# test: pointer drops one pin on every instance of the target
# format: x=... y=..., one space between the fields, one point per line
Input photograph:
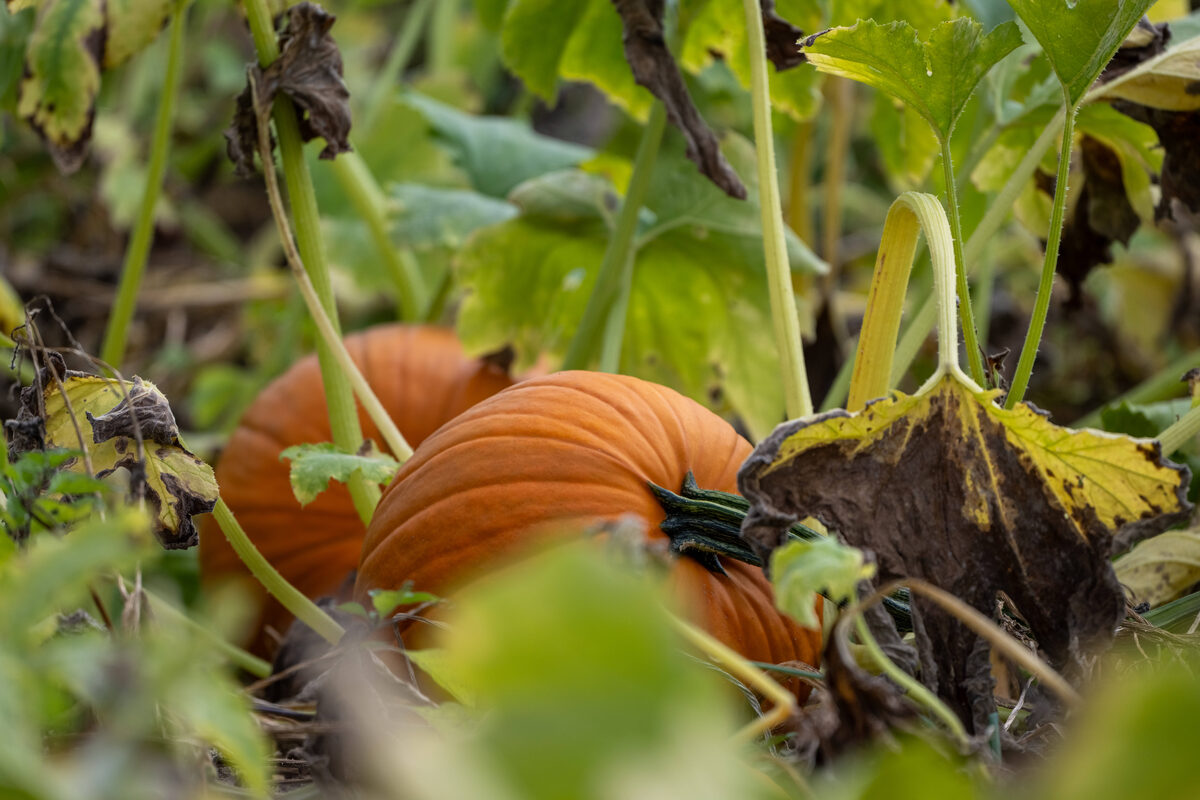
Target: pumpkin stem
x=706 y=524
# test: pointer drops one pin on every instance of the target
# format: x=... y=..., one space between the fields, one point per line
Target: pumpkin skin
x=529 y=465
x=422 y=379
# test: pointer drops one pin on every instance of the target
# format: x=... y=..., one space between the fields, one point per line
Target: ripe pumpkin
x=527 y=465
x=423 y=380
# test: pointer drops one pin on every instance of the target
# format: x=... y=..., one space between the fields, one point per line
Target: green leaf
x=385 y=601
x=906 y=143
x=425 y=217
x=594 y=53
x=571 y=195
x=491 y=12
x=1136 y=147
x=314 y=464
x=536 y=33
x=62 y=77
x=1079 y=38
x=496 y=153
x=15 y=27
x=131 y=25
x=802 y=569
x=935 y=78
x=924 y=15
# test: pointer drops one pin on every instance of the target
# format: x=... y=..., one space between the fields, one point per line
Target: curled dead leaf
x=309 y=71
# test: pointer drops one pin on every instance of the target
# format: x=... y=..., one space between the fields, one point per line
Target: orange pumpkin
x=529 y=465
x=423 y=380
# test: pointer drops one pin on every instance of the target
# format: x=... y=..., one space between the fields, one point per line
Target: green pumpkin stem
x=706 y=524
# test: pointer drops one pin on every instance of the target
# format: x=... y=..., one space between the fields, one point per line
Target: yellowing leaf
x=950 y=487
x=174 y=482
x=1160 y=569
x=1169 y=81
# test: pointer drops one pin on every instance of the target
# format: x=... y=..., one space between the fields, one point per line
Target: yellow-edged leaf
x=1161 y=569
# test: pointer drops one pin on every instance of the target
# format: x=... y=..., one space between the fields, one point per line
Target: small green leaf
x=62 y=77
x=1079 y=38
x=495 y=152
x=353 y=608
x=385 y=601
x=802 y=569
x=935 y=78
x=314 y=464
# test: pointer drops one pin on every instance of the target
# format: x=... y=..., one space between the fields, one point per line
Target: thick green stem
x=289 y=596
x=368 y=200
x=610 y=297
x=441 y=35
x=963 y=291
x=706 y=524
x=1181 y=432
x=343 y=417
x=402 y=52
x=1041 y=306
x=116 y=334
x=779 y=278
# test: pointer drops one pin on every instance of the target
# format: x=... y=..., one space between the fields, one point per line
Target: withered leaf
x=783 y=38
x=952 y=488
x=96 y=415
x=309 y=71
x=1103 y=215
x=654 y=67
x=1179 y=133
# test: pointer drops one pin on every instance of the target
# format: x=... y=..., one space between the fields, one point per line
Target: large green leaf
x=935 y=77
x=1079 y=38
x=62 y=77
x=698 y=318
x=496 y=153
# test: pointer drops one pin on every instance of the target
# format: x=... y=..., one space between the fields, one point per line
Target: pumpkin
x=531 y=464
x=421 y=377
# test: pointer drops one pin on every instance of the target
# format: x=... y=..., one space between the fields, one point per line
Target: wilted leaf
x=950 y=487
x=1179 y=133
x=1170 y=80
x=801 y=569
x=497 y=153
x=313 y=465
x=1079 y=38
x=309 y=70
x=62 y=77
x=936 y=78
x=1162 y=568
x=1149 y=420
x=172 y=480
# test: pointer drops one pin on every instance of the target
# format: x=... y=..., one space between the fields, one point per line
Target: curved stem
x=116 y=334
x=610 y=296
x=915 y=689
x=1180 y=432
x=1041 y=307
x=329 y=334
x=779 y=279
x=783 y=700
x=965 y=315
x=289 y=596
x=368 y=200
x=343 y=417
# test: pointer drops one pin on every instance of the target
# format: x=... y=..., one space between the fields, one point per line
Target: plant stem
x=1041 y=307
x=343 y=417
x=915 y=689
x=116 y=334
x=236 y=655
x=963 y=291
x=609 y=300
x=742 y=669
x=291 y=598
x=393 y=69
x=779 y=279
x=840 y=94
x=368 y=200
x=441 y=36
x=799 y=170
x=1181 y=432
x=1162 y=386
x=329 y=335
